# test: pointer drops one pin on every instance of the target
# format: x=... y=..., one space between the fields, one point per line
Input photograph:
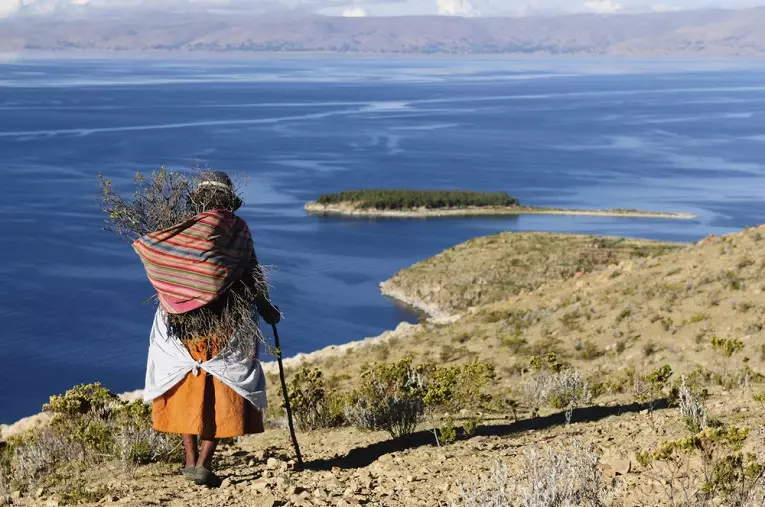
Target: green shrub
x=589 y=351
x=394 y=397
x=454 y=388
x=313 y=405
x=447 y=432
x=727 y=347
x=90 y=425
x=390 y=398
x=650 y=388
x=708 y=466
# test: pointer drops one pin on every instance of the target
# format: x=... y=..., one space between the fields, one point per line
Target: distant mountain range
x=702 y=32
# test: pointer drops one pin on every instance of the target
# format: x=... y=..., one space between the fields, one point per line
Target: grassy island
x=413 y=199
x=449 y=203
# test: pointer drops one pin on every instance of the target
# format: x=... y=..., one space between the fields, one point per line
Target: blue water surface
x=659 y=135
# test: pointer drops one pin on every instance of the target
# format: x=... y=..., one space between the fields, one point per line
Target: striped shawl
x=192 y=263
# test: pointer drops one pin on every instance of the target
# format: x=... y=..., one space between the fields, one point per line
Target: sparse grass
x=649 y=349
x=566 y=477
x=494 y=268
x=588 y=351
x=516 y=345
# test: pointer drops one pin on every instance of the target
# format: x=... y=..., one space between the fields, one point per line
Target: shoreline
x=315 y=208
x=402 y=329
x=434 y=314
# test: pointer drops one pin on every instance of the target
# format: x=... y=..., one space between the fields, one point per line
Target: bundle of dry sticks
x=165 y=199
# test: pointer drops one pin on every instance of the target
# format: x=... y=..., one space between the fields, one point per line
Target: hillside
x=573 y=324
x=703 y=32
x=492 y=268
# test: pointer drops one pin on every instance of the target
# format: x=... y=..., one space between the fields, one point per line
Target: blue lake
x=659 y=135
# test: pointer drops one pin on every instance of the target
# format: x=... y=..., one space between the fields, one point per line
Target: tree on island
x=383 y=199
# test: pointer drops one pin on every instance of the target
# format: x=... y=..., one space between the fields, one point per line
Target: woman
x=203 y=375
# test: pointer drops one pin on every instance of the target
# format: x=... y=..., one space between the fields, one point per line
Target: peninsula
x=451 y=203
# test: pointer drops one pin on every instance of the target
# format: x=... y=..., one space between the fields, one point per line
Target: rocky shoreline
x=349 y=210
x=433 y=313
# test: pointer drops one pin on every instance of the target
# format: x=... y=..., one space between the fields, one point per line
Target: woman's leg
x=190 y=446
x=207 y=449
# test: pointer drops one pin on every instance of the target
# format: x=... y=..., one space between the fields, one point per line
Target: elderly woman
x=203 y=375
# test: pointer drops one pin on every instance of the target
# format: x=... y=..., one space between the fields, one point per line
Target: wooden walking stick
x=287 y=399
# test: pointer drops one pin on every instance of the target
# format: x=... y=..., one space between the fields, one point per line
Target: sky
x=356 y=8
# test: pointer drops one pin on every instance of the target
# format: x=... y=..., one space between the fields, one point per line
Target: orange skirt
x=203 y=405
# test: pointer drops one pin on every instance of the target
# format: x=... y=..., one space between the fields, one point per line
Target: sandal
x=204 y=477
x=189 y=473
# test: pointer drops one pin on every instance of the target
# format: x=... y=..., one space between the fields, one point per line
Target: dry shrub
x=706 y=469
x=393 y=397
x=161 y=200
x=90 y=425
x=390 y=398
x=457 y=389
x=548 y=478
x=551 y=383
x=692 y=409
x=709 y=467
x=313 y=404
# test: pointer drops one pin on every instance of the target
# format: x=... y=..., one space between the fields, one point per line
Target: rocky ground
x=346 y=467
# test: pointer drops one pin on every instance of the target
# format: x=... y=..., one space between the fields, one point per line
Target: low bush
x=390 y=398
x=708 y=468
x=650 y=388
x=726 y=348
x=692 y=409
x=313 y=405
x=90 y=425
x=395 y=397
x=570 y=476
x=455 y=388
x=551 y=383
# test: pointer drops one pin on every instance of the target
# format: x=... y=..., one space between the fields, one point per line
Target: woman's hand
x=271 y=315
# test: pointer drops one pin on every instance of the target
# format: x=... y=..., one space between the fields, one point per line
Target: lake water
x=670 y=135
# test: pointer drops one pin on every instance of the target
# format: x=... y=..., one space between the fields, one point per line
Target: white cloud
x=456 y=8
x=9 y=8
x=84 y=8
x=603 y=6
x=665 y=8
x=355 y=12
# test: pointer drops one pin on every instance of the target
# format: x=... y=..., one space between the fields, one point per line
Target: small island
x=451 y=203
